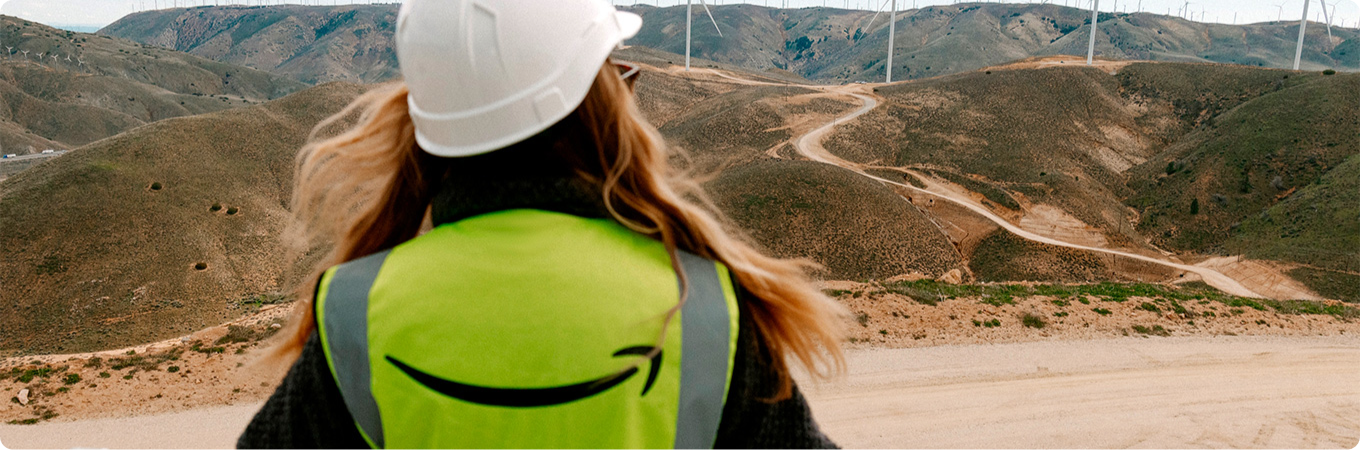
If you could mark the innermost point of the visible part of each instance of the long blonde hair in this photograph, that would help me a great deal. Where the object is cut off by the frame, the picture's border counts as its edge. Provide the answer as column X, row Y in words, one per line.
column 369, row 188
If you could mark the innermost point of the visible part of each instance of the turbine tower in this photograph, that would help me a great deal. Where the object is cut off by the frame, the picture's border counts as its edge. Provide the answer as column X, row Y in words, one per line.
column 892, row 28
column 689, row 25
column 892, row 32
column 1303, row 24
column 1095, row 17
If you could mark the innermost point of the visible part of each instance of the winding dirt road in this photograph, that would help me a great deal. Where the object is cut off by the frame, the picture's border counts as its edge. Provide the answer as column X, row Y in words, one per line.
column 810, row 146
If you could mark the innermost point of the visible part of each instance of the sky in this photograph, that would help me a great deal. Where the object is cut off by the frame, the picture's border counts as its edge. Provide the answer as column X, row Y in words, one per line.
column 95, row 13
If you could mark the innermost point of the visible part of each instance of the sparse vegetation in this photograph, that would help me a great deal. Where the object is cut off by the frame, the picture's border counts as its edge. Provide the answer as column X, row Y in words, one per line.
column 1032, row 320
column 1155, row 330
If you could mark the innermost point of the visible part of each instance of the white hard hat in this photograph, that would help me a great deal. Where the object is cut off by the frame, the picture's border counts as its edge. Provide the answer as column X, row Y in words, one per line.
column 486, row 74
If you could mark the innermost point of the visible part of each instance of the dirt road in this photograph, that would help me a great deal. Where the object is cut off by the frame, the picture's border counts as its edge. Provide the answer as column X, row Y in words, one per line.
column 810, row 146
column 1233, row 392
column 216, row 427
column 1131, row 392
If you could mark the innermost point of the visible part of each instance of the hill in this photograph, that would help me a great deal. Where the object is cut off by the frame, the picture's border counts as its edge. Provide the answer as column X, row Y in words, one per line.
column 1238, row 164
column 313, row 44
column 1060, row 150
column 353, row 43
column 156, row 232
column 174, row 226
column 88, row 87
column 852, row 225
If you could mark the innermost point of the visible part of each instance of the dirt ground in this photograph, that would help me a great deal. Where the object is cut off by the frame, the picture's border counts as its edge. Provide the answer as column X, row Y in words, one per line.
column 1180, row 392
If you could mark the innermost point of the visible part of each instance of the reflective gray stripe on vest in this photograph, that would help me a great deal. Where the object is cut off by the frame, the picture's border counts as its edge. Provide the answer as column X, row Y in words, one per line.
column 347, row 339
column 706, row 337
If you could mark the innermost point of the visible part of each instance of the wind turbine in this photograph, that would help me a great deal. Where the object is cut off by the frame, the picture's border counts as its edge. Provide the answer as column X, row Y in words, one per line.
column 689, row 25
column 892, row 32
column 25, row 52
column 1303, row 23
column 1095, row 17
column 1279, row 13
column 1328, row 17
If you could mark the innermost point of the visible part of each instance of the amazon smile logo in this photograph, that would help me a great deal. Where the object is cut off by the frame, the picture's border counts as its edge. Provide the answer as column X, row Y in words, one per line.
column 532, row 397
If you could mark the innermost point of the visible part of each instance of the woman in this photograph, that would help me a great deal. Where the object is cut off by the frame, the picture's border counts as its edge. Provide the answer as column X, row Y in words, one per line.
column 567, row 292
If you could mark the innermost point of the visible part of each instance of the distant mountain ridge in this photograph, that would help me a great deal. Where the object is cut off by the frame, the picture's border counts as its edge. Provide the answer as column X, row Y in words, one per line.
column 354, row 42
column 88, row 87
column 313, row 44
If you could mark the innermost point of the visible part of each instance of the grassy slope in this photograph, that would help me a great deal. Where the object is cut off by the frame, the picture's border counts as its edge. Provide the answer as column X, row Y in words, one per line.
column 95, row 257
column 61, row 104
column 852, row 225
column 1239, row 164
column 1319, row 225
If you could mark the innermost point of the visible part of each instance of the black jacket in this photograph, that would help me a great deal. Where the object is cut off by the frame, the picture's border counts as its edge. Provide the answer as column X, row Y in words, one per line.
column 307, row 410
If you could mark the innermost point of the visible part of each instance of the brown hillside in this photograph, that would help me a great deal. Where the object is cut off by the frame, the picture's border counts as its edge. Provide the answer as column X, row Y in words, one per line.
column 856, row 227
column 153, row 233
column 58, row 104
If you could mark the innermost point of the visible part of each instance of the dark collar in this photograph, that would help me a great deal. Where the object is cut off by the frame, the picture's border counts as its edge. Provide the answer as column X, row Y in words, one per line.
column 461, row 197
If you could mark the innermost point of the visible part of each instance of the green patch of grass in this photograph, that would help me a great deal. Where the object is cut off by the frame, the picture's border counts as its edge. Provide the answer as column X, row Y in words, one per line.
column 987, row 324
column 1155, row 330
column 71, row 378
column 1033, row 321
column 147, row 362
column 172, row 369
column 1101, row 311
column 198, row 347
column 1149, row 307
column 237, row 334
column 104, row 375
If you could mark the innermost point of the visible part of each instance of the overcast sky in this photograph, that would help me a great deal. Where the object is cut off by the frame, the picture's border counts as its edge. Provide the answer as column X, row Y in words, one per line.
column 103, row 12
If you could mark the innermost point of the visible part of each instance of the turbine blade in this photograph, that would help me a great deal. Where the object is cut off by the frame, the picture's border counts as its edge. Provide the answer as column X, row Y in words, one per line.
column 876, row 13
column 710, row 17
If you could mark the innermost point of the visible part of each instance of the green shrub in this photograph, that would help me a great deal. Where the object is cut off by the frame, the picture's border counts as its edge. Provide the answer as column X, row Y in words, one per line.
column 1101, row 311
column 104, row 375
column 1194, row 206
column 1149, row 307
column 1329, row 72
column 1156, row 330
column 71, row 378
column 1032, row 321
column 172, row 369
column 863, row 319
